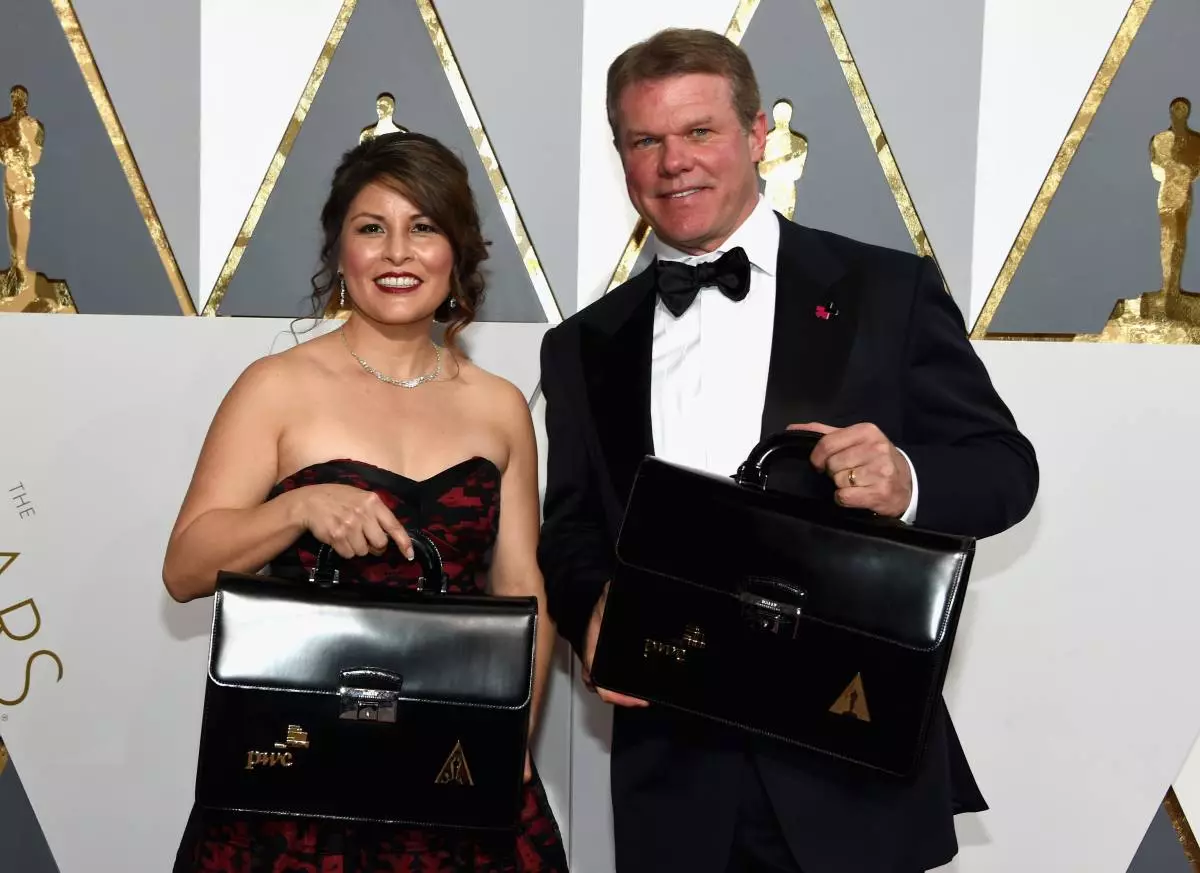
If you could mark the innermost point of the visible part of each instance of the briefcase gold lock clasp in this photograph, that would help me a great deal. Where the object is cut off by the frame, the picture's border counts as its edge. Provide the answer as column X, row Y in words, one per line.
column 361, row 702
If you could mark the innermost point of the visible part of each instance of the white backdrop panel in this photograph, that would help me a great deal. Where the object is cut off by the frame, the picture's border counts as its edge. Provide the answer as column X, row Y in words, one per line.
column 1077, row 641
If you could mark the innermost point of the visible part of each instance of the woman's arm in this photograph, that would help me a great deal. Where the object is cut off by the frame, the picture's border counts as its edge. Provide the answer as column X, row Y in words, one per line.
column 515, row 570
column 224, row 523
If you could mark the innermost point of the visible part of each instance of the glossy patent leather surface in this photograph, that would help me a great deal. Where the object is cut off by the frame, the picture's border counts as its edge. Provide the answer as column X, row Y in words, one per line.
column 455, row 649
column 781, row 615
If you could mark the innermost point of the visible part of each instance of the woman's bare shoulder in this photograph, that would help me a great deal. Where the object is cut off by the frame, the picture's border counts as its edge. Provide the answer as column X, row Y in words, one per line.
column 279, row 376
column 493, row 391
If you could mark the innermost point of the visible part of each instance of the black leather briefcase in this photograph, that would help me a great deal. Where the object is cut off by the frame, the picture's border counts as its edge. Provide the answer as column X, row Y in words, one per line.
column 327, row 699
column 789, row 617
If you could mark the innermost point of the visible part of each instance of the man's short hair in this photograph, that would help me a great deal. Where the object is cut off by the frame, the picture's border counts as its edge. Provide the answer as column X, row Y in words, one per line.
column 676, row 52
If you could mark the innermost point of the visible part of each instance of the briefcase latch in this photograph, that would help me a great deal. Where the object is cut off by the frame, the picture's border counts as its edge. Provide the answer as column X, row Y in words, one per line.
column 772, row 606
column 365, row 695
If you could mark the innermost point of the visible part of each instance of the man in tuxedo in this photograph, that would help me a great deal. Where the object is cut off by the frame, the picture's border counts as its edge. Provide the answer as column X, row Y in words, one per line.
column 747, row 324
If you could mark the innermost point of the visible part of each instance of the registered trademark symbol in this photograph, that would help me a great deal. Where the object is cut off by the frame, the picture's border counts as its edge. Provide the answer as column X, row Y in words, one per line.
column 4, row 717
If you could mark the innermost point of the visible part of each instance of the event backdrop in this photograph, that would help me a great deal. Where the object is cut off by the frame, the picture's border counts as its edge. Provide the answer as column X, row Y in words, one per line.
column 164, row 168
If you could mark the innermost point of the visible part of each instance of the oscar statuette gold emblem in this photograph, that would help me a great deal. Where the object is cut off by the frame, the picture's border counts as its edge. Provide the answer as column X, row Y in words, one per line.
column 22, row 138
column 455, row 770
column 853, row 701
column 783, row 160
column 1169, row 315
column 385, row 106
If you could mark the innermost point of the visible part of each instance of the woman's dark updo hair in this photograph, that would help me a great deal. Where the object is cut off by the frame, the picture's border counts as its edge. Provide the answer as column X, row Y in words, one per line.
column 435, row 180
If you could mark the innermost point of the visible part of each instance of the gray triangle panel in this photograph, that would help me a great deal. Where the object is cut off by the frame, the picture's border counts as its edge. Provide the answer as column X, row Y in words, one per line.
column 1160, row 850
column 1099, row 238
column 925, row 88
column 532, row 118
column 843, row 188
column 385, row 47
column 160, row 113
column 23, row 847
column 86, row 228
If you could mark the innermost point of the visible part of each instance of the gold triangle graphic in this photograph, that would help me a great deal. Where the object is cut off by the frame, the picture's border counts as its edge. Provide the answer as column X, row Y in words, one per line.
column 853, row 701
column 455, row 770
column 738, row 25
column 475, row 127
column 1113, row 59
column 6, row 559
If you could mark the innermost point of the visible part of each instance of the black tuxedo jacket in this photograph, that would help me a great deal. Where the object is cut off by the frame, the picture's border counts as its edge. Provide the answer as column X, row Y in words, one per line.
column 895, row 354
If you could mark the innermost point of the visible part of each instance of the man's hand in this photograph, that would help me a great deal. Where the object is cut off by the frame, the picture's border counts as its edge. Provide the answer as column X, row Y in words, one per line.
column 589, row 644
column 869, row 472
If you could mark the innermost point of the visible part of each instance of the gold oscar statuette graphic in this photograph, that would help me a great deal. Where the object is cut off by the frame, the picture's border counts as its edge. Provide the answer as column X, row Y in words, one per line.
column 385, row 106
column 3, row 757
column 853, row 701
column 783, row 160
column 22, row 138
column 455, row 771
column 1169, row 315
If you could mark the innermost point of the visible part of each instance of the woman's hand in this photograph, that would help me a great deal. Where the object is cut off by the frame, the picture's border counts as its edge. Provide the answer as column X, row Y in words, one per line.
column 351, row 521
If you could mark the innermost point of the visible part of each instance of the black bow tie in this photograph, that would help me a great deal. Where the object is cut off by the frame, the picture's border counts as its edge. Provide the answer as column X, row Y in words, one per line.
column 679, row 283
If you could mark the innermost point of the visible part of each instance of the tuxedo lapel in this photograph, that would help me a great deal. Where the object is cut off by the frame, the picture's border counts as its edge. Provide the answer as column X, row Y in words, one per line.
column 816, row 314
column 616, row 365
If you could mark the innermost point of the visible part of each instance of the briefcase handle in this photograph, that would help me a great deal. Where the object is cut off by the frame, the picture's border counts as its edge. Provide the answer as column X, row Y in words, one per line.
column 327, row 571
column 785, row 445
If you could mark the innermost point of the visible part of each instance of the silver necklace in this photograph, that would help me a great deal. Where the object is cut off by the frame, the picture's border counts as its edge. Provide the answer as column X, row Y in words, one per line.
column 403, row 383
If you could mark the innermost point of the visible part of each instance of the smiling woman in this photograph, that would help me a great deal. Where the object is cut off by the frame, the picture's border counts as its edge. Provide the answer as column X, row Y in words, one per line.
column 395, row 190
column 350, row 441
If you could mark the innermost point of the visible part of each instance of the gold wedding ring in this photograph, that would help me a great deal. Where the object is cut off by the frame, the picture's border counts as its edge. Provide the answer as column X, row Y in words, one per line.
column 853, row 470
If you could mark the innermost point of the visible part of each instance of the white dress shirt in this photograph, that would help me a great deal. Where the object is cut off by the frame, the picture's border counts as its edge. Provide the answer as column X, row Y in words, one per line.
column 708, row 368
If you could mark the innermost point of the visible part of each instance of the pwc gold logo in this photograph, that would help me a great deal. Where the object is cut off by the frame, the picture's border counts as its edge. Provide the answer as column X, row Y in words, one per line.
column 20, row 622
column 297, row 738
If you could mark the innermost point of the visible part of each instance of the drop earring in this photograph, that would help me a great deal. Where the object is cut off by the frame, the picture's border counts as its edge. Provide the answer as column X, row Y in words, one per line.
column 342, row 300
column 453, row 303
